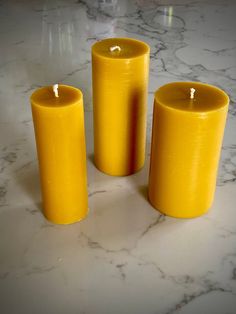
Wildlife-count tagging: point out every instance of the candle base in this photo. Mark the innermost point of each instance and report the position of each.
(64, 221)
(180, 214)
(118, 173)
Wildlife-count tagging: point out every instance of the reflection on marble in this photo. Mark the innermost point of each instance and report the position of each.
(125, 257)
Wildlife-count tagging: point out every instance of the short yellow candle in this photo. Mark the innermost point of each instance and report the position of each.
(188, 126)
(59, 131)
(120, 68)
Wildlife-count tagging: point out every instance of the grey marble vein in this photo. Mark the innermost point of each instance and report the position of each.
(187, 298)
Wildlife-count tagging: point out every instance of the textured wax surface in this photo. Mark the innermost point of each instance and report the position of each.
(60, 139)
(186, 143)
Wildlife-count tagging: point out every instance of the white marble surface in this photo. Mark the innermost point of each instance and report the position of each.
(125, 257)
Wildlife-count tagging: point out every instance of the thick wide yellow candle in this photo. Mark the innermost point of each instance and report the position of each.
(58, 117)
(188, 126)
(120, 77)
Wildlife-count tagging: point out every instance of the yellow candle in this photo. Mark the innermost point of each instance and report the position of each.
(59, 131)
(188, 126)
(120, 78)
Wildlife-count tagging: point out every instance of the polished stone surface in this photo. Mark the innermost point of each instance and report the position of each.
(125, 257)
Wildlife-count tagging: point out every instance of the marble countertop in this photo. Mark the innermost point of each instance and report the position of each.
(125, 257)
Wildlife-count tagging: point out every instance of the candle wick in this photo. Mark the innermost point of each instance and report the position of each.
(55, 90)
(115, 48)
(192, 92)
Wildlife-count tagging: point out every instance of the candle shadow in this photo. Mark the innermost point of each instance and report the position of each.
(139, 181)
(143, 191)
(90, 157)
(135, 132)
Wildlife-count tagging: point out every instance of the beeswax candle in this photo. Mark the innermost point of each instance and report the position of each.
(120, 78)
(188, 126)
(59, 130)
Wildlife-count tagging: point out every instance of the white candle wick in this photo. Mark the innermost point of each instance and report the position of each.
(55, 90)
(115, 48)
(192, 92)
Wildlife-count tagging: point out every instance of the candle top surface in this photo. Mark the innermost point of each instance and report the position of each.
(120, 48)
(46, 96)
(191, 96)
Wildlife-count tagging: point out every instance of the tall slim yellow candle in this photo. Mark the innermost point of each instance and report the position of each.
(120, 77)
(188, 126)
(59, 131)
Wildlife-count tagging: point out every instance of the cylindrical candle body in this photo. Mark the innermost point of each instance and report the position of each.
(60, 139)
(120, 79)
(186, 142)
